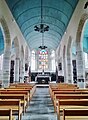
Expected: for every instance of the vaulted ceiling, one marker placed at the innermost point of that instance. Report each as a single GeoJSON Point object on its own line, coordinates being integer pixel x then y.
{"type": "Point", "coordinates": [55, 13]}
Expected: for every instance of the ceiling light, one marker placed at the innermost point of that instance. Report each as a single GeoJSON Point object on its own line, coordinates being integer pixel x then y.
{"type": "Point", "coordinates": [42, 28]}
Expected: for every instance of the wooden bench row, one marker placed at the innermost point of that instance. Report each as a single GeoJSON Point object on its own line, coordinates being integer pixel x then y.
{"type": "Point", "coordinates": [16, 98]}
{"type": "Point", "coordinates": [6, 114]}
{"type": "Point", "coordinates": [76, 104]}
{"type": "Point", "coordinates": [69, 100]}
{"type": "Point", "coordinates": [75, 112]}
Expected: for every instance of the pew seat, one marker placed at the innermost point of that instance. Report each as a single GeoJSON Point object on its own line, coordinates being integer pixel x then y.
{"type": "Point", "coordinates": [15, 105]}
{"type": "Point", "coordinates": [6, 114]}
{"type": "Point", "coordinates": [6, 118]}
{"type": "Point", "coordinates": [76, 104]}
{"type": "Point", "coordinates": [21, 97]}
{"type": "Point", "coordinates": [75, 114]}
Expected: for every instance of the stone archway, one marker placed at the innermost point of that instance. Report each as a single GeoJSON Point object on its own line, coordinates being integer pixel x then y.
{"type": "Point", "coordinates": [6, 57]}
{"type": "Point", "coordinates": [79, 52]}
{"type": "Point", "coordinates": [69, 61]}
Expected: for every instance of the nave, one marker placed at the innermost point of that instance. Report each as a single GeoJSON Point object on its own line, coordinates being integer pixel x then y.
{"type": "Point", "coordinates": [41, 107]}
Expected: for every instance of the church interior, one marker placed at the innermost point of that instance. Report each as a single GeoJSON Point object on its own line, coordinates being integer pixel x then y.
{"type": "Point", "coordinates": [43, 59]}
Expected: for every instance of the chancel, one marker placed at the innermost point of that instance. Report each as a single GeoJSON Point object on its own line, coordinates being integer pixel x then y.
{"type": "Point", "coordinates": [43, 78]}
{"type": "Point", "coordinates": [43, 59]}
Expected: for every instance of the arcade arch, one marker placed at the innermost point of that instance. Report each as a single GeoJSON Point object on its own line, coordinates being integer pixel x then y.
{"type": "Point", "coordinates": [6, 56]}
{"type": "Point", "coordinates": [79, 52]}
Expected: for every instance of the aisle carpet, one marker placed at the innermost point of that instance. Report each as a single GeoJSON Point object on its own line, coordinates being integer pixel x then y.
{"type": "Point", "coordinates": [41, 107]}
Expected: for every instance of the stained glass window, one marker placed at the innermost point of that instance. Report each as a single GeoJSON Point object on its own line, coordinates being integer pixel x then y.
{"type": "Point", "coordinates": [43, 59]}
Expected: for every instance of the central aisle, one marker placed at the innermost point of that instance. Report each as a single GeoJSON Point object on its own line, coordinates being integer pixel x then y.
{"type": "Point", "coordinates": [41, 107]}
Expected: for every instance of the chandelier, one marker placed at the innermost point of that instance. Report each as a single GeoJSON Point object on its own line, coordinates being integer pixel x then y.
{"type": "Point", "coordinates": [42, 28]}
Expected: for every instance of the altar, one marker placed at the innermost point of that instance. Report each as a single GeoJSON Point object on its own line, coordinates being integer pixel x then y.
{"type": "Point", "coordinates": [42, 79]}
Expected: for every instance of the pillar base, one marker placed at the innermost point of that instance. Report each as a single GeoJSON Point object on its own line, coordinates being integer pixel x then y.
{"type": "Point", "coordinates": [81, 83]}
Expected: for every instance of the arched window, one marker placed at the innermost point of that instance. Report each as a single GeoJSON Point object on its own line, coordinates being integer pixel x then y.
{"type": "Point", "coordinates": [33, 60]}
{"type": "Point", "coordinates": [43, 59]}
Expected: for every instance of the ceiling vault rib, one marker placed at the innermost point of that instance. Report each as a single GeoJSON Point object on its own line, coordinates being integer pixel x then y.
{"type": "Point", "coordinates": [47, 37]}
{"type": "Point", "coordinates": [43, 15]}
{"type": "Point", "coordinates": [44, 23]}
{"type": "Point", "coordinates": [13, 8]}
{"type": "Point", "coordinates": [37, 33]}
{"type": "Point", "coordinates": [37, 38]}
{"type": "Point", "coordinates": [40, 7]}
{"type": "Point", "coordinates": [69, 3]}
{"type": "Point", "coordinates": [50, 42]}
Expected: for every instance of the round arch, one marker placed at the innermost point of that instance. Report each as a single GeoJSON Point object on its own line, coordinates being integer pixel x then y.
{"type": "Point", "coordinates": [6, 57]}
{"type": "Point", "coordinates": [79, 52]}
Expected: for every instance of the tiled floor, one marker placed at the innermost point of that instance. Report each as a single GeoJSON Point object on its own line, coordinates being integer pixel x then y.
{"type": "Point", "coordinates": [41, 107]}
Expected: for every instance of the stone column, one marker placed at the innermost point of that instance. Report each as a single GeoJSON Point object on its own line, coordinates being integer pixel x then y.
{"type": "Point", "coordinates": [22, 70]}
{"type": "Point", "coordinates": [80, 67]}
{"type": "Point", "coordinates": [36, 60]}
{"type": "Point", "coordinates": [6, 67]}
{"type": "Point", "coordinates": [69, 68]}
{"type": "Point", "coordinates": [65, 69]}
{"type": "Point", "coordinates": [49, 62]}
{"type": "Point", "coordinates": [16, 71]}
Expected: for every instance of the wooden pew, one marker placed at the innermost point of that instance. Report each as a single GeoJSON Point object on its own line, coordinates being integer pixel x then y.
{"type": "Point", "coordinates": [26, 93]}
{"type": "Point", "coordinates": [15, 105]}
{"type": "Point", "coordinates": [30, 90]}
{"type": "Point", "coordinates": [21, 97]}
{"type": "Point", "coordinates": [75, 112]}
{"type": "Point", "coordinates": [71, 104]}
{"type": "Point", "coordinates": [22, 84]}
{"type": "Point", "coordinates": [67, 92]}
{"type": "Point", "coordinates": [54, 91]}
{"type": "Point", "coordinates": [64, 92]}
{"type": "Point", "coordinates": [18, 89]}
{"type": "Point", "coordinates": [62, 86]}
{"type": "Point", "coordinates": [68, 96]}
{"type": "Point", "coordinates": [6, 114]}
